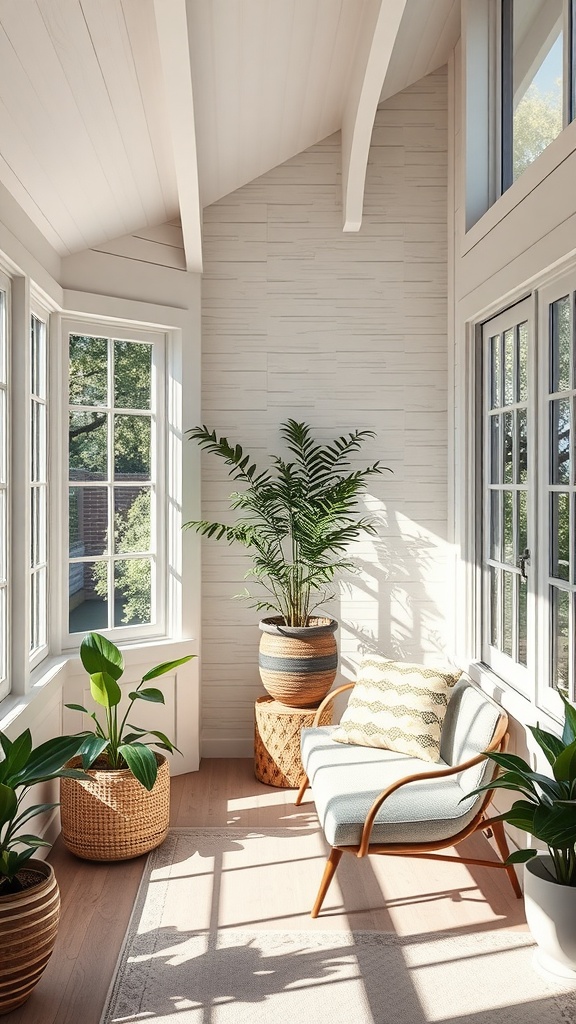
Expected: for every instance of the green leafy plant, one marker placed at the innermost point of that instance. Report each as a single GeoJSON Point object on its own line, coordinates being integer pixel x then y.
{"type": "Point", "coordinates": [547, 809]}
{"type": "Point", "coordinates": [114, 740]}
{"type": "Point", "coordinates": [297, 519]}
{"type": "Point", "coordinates": [22, 767]}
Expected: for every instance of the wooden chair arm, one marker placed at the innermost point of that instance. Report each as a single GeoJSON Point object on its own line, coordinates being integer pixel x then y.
{"type": "Point", "coordinates": [328, 700]}
{"type": "Point", "coordinates": [498, 741]}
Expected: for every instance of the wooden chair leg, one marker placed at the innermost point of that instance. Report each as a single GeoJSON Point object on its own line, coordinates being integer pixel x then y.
{"type": "Point", "coordinates": [329, 872]}
{"type": "Point", "coordinates": [301, 791]}
{"type": "Point", "coordinates": [503, 849]}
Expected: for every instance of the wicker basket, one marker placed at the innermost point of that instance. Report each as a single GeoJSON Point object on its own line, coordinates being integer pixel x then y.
{"type": "Point", "coordinates": [298, 664]}
{"type": "Point", "coordinates": [28, 927]}
{"type": "Point", "coordinates": [112, 816]}
{"type": "Point", "coordinates": [277, 729]}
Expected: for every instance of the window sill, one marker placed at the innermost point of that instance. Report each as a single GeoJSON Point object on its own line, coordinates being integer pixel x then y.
{"type": "Point", "coordinates": [43, 681]}
{"type": "Point", "coordinates": [518, 705]}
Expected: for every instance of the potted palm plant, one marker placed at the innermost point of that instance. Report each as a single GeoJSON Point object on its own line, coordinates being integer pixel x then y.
{"type": "Point", "coordinates": [547, 811]}
{"type": "Point", "coordinates": [29, 895]}
{"type": "Point", "coordinates": [297, 520]}
{"type": "Point", "coordinates": [121, 808]}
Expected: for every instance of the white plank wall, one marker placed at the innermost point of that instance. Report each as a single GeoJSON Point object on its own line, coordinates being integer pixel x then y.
{"type": "Point", "coordinates": [342, 331]}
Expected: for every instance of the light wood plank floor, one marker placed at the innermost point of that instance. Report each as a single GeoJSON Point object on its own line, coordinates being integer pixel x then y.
{"type": "Point", "coordinates": [385, 894]}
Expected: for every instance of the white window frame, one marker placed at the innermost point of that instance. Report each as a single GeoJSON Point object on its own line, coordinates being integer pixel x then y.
{"type": "Point", "coordinates": [160, 469]}
{"type": "Point", "coordinates": [41, 314]}
{"type": "Point", "coordinates": [517, 675]}
{"type": "Point", "coordinates": [546, 697]}
{"type": "Point", "coordinates": [5, 443]}
{"type": "Point", "coordinates": [551, 286]}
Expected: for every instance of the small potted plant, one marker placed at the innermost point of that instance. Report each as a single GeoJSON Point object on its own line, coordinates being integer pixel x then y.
{"type": "Point", "coordinates": [122, 809]}
{"type": "Point", "coordinates": [297, 519]}
{"type": "Point", "coordinates": [547, 811]}
{"type": "Point", "coordinates": [29, 895]}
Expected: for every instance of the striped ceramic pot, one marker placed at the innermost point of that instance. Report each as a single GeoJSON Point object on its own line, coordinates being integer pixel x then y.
{"type": "Point", "coordinates": [298, 664]}
{"type": "Point", "coordinates": [28, 927]}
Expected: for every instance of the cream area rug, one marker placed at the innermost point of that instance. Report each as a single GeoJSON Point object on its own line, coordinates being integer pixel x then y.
{"type": "Point", "coordinates": [181, 964]}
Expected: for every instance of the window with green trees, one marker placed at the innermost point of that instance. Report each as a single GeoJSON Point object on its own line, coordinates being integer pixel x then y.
{"type": "Point", "coordinates": [113, 486]}
{"type": "Point", "coordinates": [537, 79]}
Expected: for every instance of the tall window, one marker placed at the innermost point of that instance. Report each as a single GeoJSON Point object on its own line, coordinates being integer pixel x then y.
{"type": "Point", "coordinates": [508, 493]}
{"type": "Point", "coordinates": [529, 491]}
{"type": "Point", "coordinates": [556, 470]}
{"type": "Point", "coordinates": [38, 488]}
{"type": "Point", "coordinates": [537, 79]}
{"type": "Point", "coordinates": [4, 524]}
{"type": "Point", "coordinates": [115, 424]}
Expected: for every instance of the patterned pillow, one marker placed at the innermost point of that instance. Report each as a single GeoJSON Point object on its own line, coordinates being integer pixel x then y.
{"type": "Point", "coordinates": [398, 706]}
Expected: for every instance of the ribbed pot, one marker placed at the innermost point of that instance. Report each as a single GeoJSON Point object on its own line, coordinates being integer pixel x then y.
{"type": "Point", "coordinates": [298, 664]}
{"type": "Point", "coordinates": [112, 816]}
{"type": "Point", "coordinates": [551, 917]}
{"type": "Point", "coordinates": [28, 927]}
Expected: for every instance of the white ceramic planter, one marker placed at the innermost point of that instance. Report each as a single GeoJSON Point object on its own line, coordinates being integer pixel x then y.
{"type": "Point", "coordinates": [551, 916]}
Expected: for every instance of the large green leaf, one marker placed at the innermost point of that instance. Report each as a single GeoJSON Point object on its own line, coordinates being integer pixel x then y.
{"type": "Point", "coordinates": [166, 666]}
{"type": "Point", "coordinates": [105, 690]}
{"type": "Point", "coordinates": [551, 745]}
{"type": "Point", "coordinates": [509, 780]}
{"type": "Point", "coordinates": [91, 748]}
{"type": "Point", "coordinates": [521, 815]}
{"type": "Point", "coordinates": [98, 654]}
{"type": "Point", "coordinates": [141, 762]}
{"type": "Point", "coordinates": [569, 731]}
{"type": "Point", "coordinates": [556, 826]}
{"type": "Point", "coordinates": [565, 764]}
{"type": "Point", "coordinates": [16, 754]}
{"type": "Point", "coordinates": [8, 804]}
{"type": "Point", "coordinates": [149, 693]}
{"type": "Point", "coordinates": [48, 759]}
{"type": "Point", "coordinates": [521, 856]}
{"type": "Point", "coordinates": [32, 811]}
{"type": "Point", "coordinates": [35, 841]}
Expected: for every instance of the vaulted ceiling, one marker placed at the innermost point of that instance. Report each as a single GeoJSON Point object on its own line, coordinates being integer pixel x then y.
{"type": "Point", "coordinates": [116, 115]}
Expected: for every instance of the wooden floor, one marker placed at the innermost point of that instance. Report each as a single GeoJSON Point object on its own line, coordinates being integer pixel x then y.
{"type": "Point", "coordinates": [391, 894]}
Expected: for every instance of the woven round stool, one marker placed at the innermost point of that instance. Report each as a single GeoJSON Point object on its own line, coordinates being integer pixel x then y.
{"type": "Point", "coordinates": [277, 741]}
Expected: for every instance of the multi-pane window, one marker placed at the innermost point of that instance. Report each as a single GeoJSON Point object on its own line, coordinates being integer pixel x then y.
{"type": "Point", "coordinates": [4, 524]}
{"type": "Point", "coordinates": [537, 79]}
{"type": "Point", "coordinates": [529, 495]}
{"type": "Point", "coordinates": [38, 487]}
{"type": "Point", "coordinates": [507, 498]}
{"type": "Point", "coordinates": [560, 572]}
{"type": "Point", "coordinates": [113, 482]}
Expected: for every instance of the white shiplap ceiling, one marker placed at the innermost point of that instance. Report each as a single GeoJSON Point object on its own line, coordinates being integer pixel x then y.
{"type": "Point", "coordinates": [117, 115]}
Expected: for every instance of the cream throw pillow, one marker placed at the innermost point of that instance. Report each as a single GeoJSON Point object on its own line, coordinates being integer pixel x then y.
{"type": "Point", "coordinates": [398, 706]}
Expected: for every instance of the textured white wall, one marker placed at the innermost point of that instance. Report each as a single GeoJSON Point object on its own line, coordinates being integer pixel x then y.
{"type": "Point", "coordinates": [342, 331]}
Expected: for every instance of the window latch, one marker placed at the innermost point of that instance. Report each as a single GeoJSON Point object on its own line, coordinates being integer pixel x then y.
{"type": "Point", "coordinates": [524, 557]}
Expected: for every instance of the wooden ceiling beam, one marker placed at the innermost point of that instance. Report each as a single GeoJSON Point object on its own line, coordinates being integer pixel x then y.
{"type": "Point", "coordinates": [374, 51]}
{"type": "Point", "coordinates": [172, 25]}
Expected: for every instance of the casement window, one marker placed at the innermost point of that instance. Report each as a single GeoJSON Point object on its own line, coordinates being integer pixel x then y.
{"type": "Point", "coordinates": [529, 495]}
{"type": "Point", "coordinates": [537, 79]}
{"type": "Point", "coordinates": [115, 477]}
{"type": "Point", "coordinates": [38, 410]}
{"type": "Point", "coordinates": [24, 557]}
{"type": "Point", "coordinates": [4, 492]}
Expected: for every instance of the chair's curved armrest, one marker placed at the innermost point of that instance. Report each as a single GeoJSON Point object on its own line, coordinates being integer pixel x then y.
{"type": "Point", "coordinates": [498, 741]}
{"type": "Point", "coordinates": [328, 700]}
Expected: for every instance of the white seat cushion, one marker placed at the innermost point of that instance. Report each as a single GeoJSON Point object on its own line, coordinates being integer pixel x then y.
{"type": "Point", "coordinates": [346, 780]}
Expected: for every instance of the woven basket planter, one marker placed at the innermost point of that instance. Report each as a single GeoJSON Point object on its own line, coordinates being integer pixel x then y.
{"type": "Point", "coordinates": [112, 816]}
{"type": "Point", "coordinates": [28, 927]}
{"type": "Point", "coordinates": [298, 664]}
